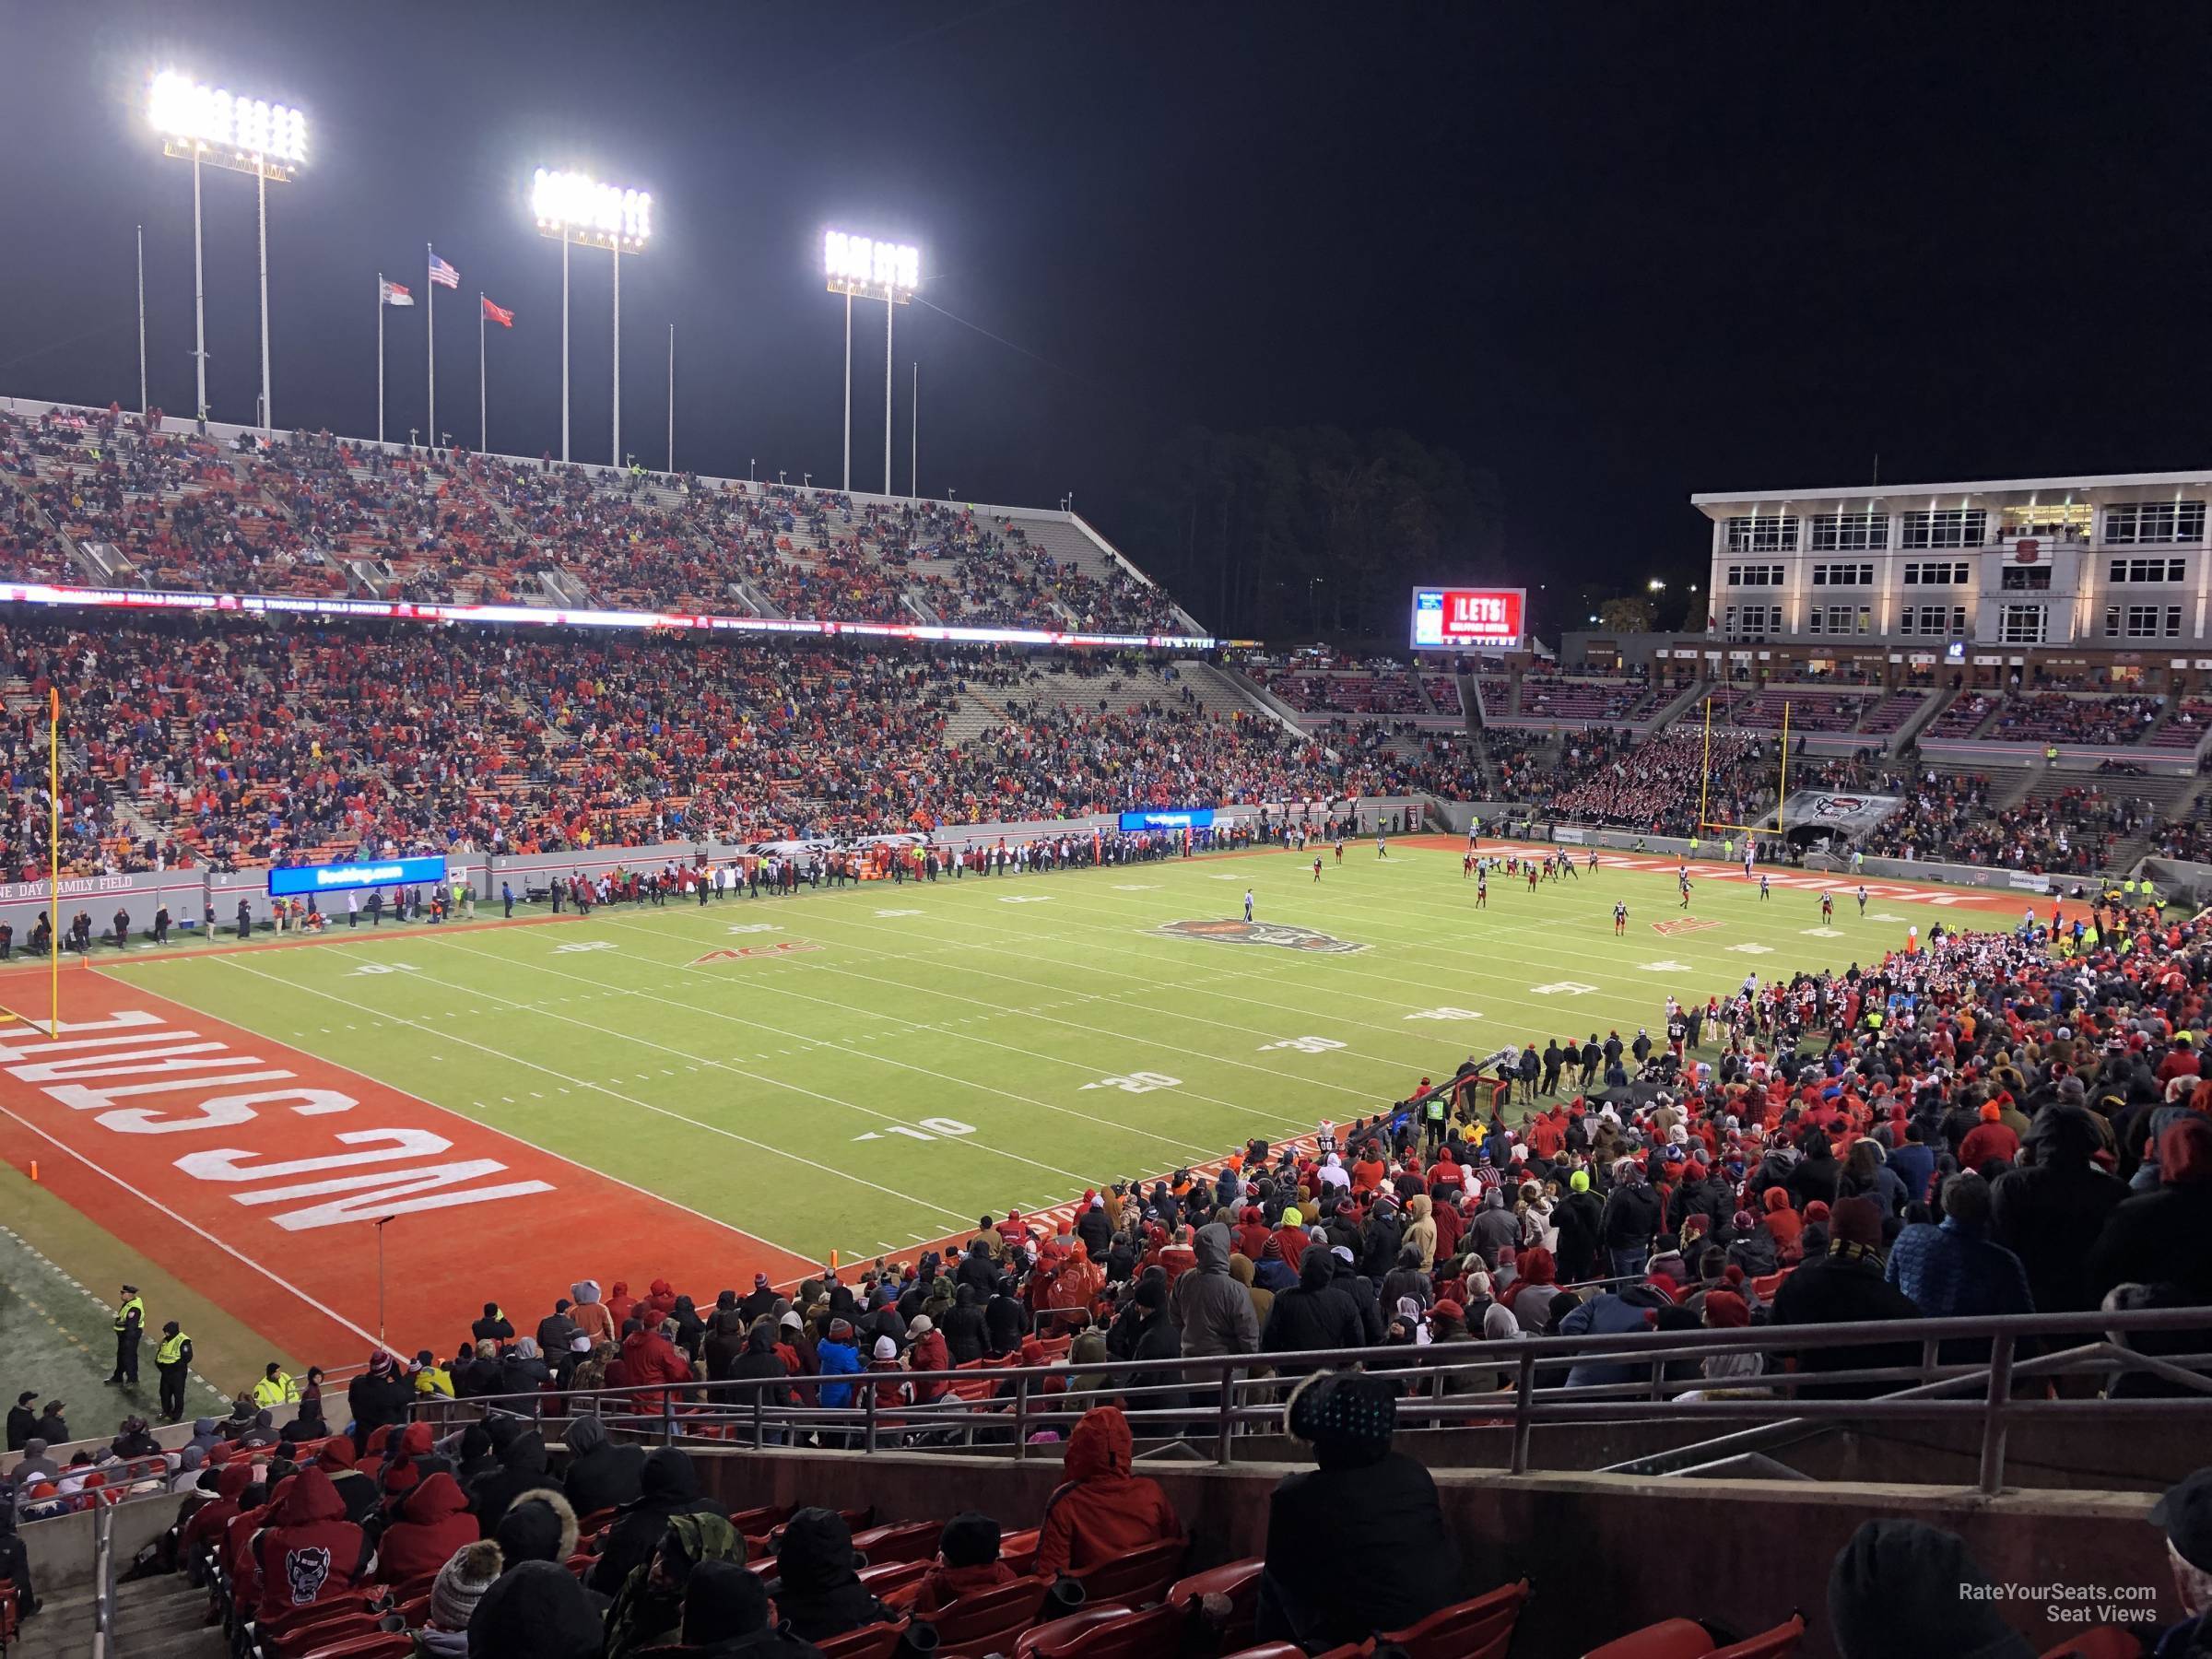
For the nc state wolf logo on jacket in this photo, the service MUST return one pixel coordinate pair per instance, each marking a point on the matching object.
(307, 1570)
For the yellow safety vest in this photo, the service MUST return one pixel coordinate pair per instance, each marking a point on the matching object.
(122, 1316)
(278, 1390)
(171, 1349)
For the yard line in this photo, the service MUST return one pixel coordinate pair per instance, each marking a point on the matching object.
(693, 1007)
(765, 984)
(234, 962)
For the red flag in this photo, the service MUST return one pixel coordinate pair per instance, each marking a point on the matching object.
(498, 313)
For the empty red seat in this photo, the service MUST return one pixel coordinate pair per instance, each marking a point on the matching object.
(1239, 1581)
(1777, 1643)
(888, 1576)
(989, 1620)
(900, 1541)
(752, 1523)
(870, 1641)
(1115, 1633)
(1481, 1628)
(1142, 1575)
(1669, 1639)
(1019, 1550)
(376, 1644)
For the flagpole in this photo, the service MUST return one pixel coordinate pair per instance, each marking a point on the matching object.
(672, 397)
(564, 344)
(379, 356)
(617, 259)
(143, 405)
(848, 483)
(481, 428)
(914, 441)
(890, 310)
(53, 847)
(260, 209)
(429, 313)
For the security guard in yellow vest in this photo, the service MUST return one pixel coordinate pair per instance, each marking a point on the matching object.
(130, 1324)
(274, 1389)
(172, 1358)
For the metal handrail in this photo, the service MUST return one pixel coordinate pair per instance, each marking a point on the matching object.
(1219, 1397)
(103, 1580)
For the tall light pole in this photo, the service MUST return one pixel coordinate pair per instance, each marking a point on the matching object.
(203, 123)
(873, 270)
(575, 207)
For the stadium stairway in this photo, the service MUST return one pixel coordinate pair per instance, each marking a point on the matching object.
(154, 1619)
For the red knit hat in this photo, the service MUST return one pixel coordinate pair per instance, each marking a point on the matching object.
(1726, 1310)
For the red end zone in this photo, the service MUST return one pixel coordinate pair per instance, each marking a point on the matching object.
(255, 1172)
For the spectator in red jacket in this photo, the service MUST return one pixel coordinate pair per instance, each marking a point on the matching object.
(1101, 1510)
(660, 1301)
(650, 1359)
(309, 1550)
(1990, 1138)
(967, 1560)
(620, 1304)
(427, 1526)
(1290, 1236)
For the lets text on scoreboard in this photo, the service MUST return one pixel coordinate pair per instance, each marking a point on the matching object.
(1468, 618)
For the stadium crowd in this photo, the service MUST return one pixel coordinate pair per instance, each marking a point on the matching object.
(1995, 1124)
(221, 742)
(314, 514)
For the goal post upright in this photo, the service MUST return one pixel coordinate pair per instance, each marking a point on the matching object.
(1705, 766)
(1783, 787)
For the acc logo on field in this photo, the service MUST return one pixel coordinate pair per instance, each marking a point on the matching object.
(781, 948)
(1284, 933)
(1682, 925)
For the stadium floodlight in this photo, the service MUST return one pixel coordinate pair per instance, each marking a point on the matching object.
(872, 269)
(576, 208)
(201, 124)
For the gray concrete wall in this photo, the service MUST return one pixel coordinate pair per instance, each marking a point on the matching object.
(61, 1550)
(1605, 1554)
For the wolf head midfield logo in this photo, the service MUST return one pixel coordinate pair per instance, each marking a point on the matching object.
(1285, 935)
(307, 1570)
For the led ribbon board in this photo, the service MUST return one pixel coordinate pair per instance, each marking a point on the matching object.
(296, 881)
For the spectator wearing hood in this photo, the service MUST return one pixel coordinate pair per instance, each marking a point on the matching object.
(307, 1551)
(521, 1468)
(1262, 1300)
(964, 1328)
(725, 1615)
(667, 1486)
(1897, 1591)
(1634, 1216)
(2164, 1237)
(591, 1314)
(839, 1357)
(601, 1474)
(1101, 1511)
(1847, 1286)
(651, 1363)
(1315, 1315)
(1992, 1140)
(536, 1610)
(725, 1333)
(647, 1609)
(1952, 1269)
(15, 1563)
(429, 1524)
(2051, 1210)
(540, 1526)
(523, 1369)
(927, 1352)
(1578, 1216)
(1420, 1229)
(1210, 1308)
(818, 1588)
(1496, 1229)
(1357, 1543)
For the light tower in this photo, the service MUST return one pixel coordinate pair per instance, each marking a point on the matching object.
(873, 270)
(575, 207)
(201, 124)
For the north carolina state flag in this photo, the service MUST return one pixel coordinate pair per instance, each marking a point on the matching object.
(498, 313)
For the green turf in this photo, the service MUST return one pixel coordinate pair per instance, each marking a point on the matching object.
(955, 1048)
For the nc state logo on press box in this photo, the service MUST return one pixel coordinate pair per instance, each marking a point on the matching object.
(1287, 934)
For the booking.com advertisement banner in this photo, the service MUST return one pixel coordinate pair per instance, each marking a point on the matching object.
(1184, 817)
(295, 881)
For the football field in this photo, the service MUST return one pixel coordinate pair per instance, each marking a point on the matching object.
(858, 1071)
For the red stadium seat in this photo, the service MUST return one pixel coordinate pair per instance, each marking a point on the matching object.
(1766, 1284)
(1142, 1575)
(753, 1522)
(870, 1641)
(1105, 1633)
(988, 1621)
(1019, 1550)
(883, 1579)
(1669, 1639)
(1777, 1643)
(380, 1644)
(1290, 1649)
(1481, 1628)
(1239, 1581)
(900, 1541)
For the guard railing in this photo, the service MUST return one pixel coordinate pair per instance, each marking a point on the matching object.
(2019, 1373)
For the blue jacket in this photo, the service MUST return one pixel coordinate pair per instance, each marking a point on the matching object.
(1948, 1269)
(1914, 1164)
(837, 1359)
(1632, 1308)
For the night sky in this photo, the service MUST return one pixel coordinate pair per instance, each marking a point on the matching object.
(1616, 254)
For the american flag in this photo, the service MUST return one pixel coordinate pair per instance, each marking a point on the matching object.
(442, 274)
